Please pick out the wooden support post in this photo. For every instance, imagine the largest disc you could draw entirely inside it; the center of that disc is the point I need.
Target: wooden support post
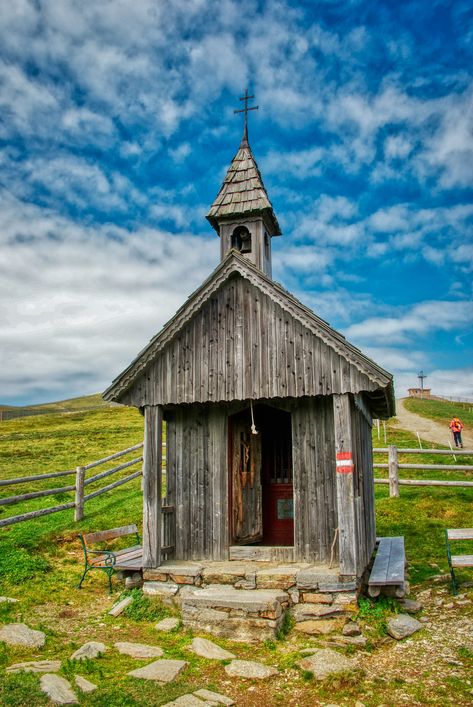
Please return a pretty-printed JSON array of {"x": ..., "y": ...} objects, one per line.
[
  {"x": 393, "y": 472},
  {"x": 79, "y": 501},
  {"x": 348, "y": 556},
  {"x": 152, "y": 473}
]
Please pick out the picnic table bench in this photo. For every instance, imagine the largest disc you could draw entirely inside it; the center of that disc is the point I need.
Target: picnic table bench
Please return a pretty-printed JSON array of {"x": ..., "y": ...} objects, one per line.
[
  {"x": 455, "y": 535},
  {"x": 389, "y": 567},
  {"x": 110, "y": 561}
]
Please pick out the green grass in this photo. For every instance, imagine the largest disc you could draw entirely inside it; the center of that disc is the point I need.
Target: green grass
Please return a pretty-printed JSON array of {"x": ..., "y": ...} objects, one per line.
[{"x": 41, "y": 562}]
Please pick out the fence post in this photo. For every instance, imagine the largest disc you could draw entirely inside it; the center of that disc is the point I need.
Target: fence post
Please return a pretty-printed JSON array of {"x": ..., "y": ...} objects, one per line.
[
  {"x": 79, "y": 502},
  {"x": 393, "y": 472}
]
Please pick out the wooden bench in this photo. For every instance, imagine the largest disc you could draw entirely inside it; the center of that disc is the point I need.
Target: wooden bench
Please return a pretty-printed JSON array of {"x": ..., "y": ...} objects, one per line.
[
  {"x": 455, "y": 535},
  {"x": 389, "y": 567},
  {"x": 109, "y": 561}
]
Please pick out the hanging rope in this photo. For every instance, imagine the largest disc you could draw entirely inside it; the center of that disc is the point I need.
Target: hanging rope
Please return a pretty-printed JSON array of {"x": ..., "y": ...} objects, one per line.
[
  {"x": 332, "y": 549},
  {"x": 254, "y": 431}
]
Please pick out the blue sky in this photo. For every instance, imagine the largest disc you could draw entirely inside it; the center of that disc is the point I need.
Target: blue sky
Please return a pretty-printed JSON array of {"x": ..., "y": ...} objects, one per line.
[{"x": 117, "y": 126}]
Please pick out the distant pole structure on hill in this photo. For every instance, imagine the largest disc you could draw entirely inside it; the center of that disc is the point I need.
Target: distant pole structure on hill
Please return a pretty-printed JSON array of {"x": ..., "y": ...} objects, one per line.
[{"x": 421, "y": 375}]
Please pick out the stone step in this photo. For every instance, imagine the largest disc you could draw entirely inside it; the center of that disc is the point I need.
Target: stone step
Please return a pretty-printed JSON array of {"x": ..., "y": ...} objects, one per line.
[{"x": 243, "y": 615}]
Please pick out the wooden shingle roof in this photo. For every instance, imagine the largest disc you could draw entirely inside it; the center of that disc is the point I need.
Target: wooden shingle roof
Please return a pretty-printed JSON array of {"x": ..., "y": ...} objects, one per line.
[{"x": 242, "y": 192}]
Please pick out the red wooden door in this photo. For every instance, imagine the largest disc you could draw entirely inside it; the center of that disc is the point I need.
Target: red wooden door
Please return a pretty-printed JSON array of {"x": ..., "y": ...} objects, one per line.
[{"x": 278, "y": 490}]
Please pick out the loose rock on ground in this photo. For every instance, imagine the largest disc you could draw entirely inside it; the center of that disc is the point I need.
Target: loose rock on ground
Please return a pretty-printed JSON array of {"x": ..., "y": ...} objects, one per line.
[
  {"x": 325, "y": 661},
  {"x": 160, "y": 670},
  {"x": 36, "y": 666},
  {"x": 249, "y": 669},
  {"x": 403, "y": 625},
  {"x": 58, "y": 689},
  {"x": 139, "y": 650},
  {"x": 92, "y": 649},
  {"x": 22, "y": 635},
  {"x": 207, "y": 649}
]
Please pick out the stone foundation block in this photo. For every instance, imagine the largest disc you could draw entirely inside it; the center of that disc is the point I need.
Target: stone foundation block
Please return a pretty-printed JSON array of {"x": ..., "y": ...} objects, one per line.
[
  {"x": 276, "y": 578},
  {"x": 305, "y": 612},
  {"x": 317, "y": 598}
]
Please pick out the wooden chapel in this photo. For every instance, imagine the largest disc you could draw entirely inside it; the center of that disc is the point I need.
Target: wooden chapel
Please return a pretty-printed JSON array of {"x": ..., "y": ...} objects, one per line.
[{"x": 268, "y": 411}]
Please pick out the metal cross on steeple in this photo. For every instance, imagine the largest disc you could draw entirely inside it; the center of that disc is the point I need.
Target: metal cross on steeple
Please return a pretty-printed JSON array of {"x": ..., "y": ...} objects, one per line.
[{"x": 245, "y": 110}]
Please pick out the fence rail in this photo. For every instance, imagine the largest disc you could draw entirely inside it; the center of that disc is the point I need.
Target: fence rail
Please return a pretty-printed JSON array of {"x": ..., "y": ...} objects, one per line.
[
  {"x": 393, "y": 467},
  {"x": 78, "y": 487}
]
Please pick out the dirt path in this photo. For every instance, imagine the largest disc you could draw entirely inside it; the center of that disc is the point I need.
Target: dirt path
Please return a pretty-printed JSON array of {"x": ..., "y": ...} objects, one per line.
[{"x": 428, "y": 429}]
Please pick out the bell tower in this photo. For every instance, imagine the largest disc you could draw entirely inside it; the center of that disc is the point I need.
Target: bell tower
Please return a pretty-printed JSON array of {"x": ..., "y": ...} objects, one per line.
[{"x": 242, "y": 213}]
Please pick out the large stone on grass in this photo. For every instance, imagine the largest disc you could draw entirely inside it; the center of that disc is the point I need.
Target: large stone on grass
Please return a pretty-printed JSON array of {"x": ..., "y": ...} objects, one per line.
[
  {"x": 120, "y": 607},
  {"x": 403, "y": 625},
  {"x": 36, "y": 666},
  {"x": 249, "y": 669},
  {"x": 22, "y": 635},
  {"x": 207, "y": 649},
  {"x": 167, "y": 625},
  {"x": 325, "y": 661},
  {"x": 351, "y": 629},
  {"x": 214, "y": 697},
  {"x": 138, "y": 650},
  {"x": 160, "y": 670},
  {"x": 58, "y": 689},
  {"x": 410, "y": 605},
  {"x": 85, "y": 685},
  {"x": 8, "y": 600},
  {"x": 189, "y": 700},
  {"x": 92, "y": 649}
]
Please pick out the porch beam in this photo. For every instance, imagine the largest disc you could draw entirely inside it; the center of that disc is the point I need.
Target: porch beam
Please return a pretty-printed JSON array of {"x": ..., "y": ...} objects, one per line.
[
  {"x": 344, "y": 457},
  {"x": 152, "y": 475}
]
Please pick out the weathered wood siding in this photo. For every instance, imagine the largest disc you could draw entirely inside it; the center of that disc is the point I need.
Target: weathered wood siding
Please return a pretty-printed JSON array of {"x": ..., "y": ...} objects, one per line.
[
  {"x": 241, "y": 344},
  {"x": 363, "y": 482},
  {"x": 197, "y": 477},
  {"x": 315, "y": 503}
]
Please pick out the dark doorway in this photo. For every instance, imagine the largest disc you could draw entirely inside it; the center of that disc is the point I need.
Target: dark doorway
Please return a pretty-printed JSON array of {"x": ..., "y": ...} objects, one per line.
[
  {"x": 278, "y": 490},
  {"x": 262, "y": 508}
]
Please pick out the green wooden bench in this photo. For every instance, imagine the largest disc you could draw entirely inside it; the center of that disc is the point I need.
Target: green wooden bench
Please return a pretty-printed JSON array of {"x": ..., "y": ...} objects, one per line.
[
  {"x": 455, "y": 535},
  {"x": 109, "y": 561}
]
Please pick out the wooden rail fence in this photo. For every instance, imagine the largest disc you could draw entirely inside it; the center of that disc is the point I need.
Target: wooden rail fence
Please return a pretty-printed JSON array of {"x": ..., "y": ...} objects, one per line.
[
  {"x": 81, "y": 482},
  {"x": 393, "y": 466}
]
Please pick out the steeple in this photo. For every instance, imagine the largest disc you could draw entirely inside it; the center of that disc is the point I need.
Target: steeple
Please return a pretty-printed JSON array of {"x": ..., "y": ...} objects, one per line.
[{"x": 242, "y": 213}]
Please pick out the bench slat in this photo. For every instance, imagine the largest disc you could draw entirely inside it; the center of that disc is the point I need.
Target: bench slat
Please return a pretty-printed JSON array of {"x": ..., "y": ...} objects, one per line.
[
  {"x": 460, "y": 534},
  {"x": 380, "y": 567},
  {"x": 389, "y": 564},
  {"x": 102, "y": 535},
  {"x": 388, "y": 567},
  {"x": 135, "y": 563},
  {"x": 462, "y": 560}
]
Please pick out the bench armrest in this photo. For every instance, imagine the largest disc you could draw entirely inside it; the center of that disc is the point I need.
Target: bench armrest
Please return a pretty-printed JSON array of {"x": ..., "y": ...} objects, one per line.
[{"x": 110, "y": 558}]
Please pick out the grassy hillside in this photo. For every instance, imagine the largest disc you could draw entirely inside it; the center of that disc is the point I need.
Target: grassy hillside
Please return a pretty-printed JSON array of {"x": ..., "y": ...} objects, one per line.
[
  {"x": 41, "y": 562},
  {"x": 441, "y": 410}
]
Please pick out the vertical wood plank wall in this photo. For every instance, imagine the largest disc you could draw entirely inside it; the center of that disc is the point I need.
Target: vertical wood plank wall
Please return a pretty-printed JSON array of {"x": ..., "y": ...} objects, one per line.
[
  {"x": 315, "y": 503},
  {"x": 196, "y": 455},
  {"x": 240, "y": 345},
  {"x": 198, "y": 480},
  {"x": 152, "y": 467},
  {"x": 364, "y": 485}
]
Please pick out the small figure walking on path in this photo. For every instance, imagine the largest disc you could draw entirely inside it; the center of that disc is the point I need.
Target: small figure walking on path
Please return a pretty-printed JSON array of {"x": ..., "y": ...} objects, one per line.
[{"x": 456, "y": 427}]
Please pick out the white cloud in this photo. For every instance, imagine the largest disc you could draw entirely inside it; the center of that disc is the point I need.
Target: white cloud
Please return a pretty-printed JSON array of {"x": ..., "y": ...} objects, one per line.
[
  {"x": 90, "y": 298},
  {"x": 416, "y": 321}
]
